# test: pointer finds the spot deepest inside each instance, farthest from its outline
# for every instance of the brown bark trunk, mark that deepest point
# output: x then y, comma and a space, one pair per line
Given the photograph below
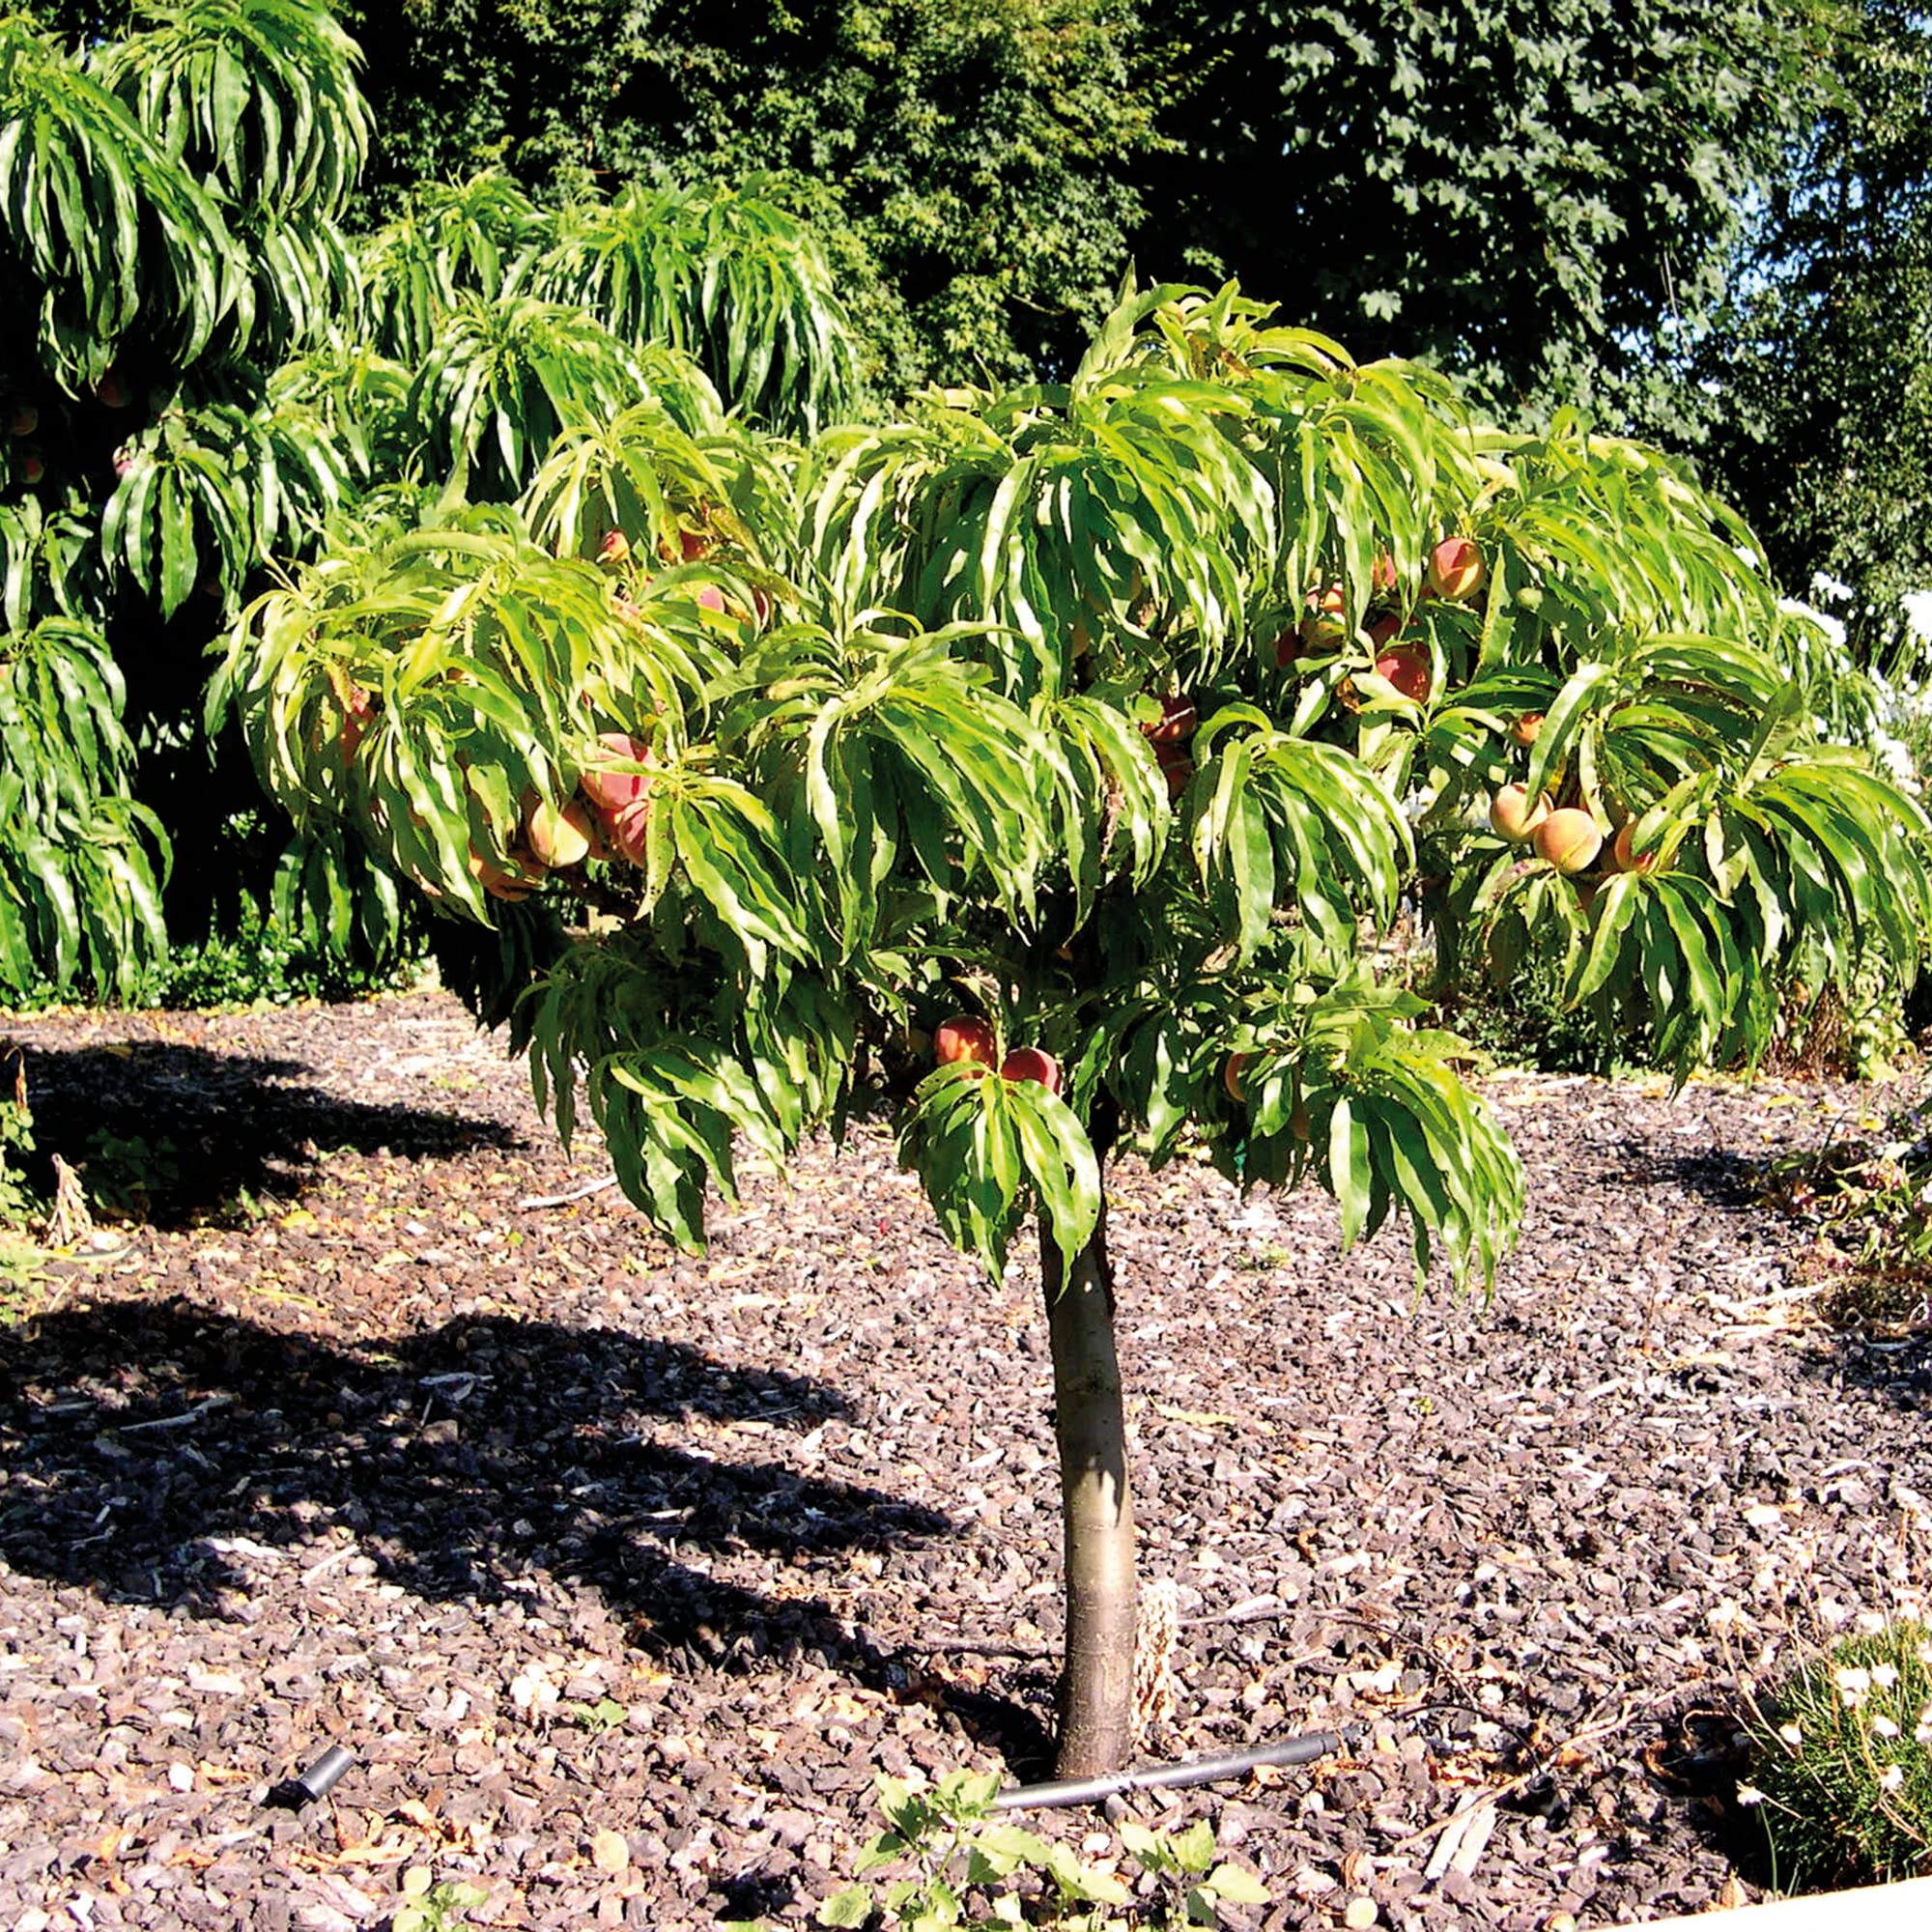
1090, 1425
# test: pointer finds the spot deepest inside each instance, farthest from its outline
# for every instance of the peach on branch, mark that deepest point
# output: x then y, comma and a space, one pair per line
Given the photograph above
607, 782
627, 831
1325, 626
1570, 840
1514, 816
359, 713
1624, 856
1382, 577
964, 1036
557, 834
502, 882
1406, 666
1456, 569
24, 420
1231, 1075
1526, 729
1030, 1062
614, 551
1177, 720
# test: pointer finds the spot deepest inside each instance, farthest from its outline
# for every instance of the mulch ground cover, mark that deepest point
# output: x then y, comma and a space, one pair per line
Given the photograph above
623, 1574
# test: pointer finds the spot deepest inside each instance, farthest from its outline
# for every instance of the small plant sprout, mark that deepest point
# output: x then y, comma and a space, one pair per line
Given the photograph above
972, 1870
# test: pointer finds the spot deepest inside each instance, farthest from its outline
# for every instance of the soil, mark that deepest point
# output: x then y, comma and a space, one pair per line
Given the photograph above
622, 1575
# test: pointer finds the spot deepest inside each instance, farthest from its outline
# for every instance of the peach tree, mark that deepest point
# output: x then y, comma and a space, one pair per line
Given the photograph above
200, 364
1085, 739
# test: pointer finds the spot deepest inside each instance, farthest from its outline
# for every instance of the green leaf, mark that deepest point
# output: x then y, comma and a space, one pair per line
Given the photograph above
851, 1907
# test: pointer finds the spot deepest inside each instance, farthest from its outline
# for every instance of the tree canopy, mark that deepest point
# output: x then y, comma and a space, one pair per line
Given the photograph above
970, 163
1810, 390
1522, 190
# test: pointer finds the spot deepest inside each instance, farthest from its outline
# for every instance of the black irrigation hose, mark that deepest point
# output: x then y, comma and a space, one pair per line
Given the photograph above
1304, 1749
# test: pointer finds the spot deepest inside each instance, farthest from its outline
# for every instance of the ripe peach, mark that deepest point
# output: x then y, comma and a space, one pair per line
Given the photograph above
1623, 857
1175, 768
1526, 729
1569, 839
1407, 667
627, 830
1177, 720
964, 1036
1231, 1075
1514, 817
501, 883
1030, 1062
614, 551
33, 467
612, 791
359, 713
1456, 569
24, 420
557, 835
1383, 578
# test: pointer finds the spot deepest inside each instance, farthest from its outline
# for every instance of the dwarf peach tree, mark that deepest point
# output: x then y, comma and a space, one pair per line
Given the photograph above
1097, 728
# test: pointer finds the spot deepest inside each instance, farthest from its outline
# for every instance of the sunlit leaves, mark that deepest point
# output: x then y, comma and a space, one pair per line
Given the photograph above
207, 491
505, 379
989, 1151
450, 243
726, 276
256, 99
99, 218
81, 864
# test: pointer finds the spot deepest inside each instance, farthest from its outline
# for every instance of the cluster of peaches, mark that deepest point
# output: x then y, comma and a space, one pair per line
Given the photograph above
1567, 836
608, 819
965, 1039
1455, 573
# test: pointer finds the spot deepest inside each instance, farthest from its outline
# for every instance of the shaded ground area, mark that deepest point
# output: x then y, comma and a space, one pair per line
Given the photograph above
623, 1574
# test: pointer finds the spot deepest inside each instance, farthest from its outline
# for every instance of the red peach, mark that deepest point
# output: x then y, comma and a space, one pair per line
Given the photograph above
964, 1036
1456, 569
1029, 1063
1512, 816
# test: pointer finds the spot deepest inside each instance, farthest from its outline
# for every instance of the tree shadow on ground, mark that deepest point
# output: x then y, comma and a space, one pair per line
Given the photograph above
1724, 1176
174, 1135
140, 1444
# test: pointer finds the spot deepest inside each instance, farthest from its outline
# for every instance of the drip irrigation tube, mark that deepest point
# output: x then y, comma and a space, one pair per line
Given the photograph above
1304, 1749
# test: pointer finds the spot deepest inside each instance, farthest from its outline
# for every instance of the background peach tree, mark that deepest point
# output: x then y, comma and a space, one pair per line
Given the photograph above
200, 364
1097, 729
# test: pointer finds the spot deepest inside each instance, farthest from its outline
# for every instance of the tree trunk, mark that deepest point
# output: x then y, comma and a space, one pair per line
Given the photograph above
1098, 1513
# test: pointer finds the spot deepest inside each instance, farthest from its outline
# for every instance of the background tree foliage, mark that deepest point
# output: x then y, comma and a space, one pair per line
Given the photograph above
1808, 397
1521, 190
971, 160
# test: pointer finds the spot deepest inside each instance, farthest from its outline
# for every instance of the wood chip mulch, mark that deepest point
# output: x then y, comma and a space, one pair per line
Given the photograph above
623, 1575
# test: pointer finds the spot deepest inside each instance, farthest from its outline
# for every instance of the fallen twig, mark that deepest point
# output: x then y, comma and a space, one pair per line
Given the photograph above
575, 1194
220, 1400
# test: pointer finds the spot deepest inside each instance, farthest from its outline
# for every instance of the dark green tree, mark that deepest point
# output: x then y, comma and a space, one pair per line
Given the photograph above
969, 161
1521, 189
1815, 376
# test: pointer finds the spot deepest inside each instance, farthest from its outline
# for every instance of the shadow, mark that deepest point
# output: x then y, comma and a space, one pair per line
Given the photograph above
1716, 1175
143, 1449
172, 1134
1879, 1365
